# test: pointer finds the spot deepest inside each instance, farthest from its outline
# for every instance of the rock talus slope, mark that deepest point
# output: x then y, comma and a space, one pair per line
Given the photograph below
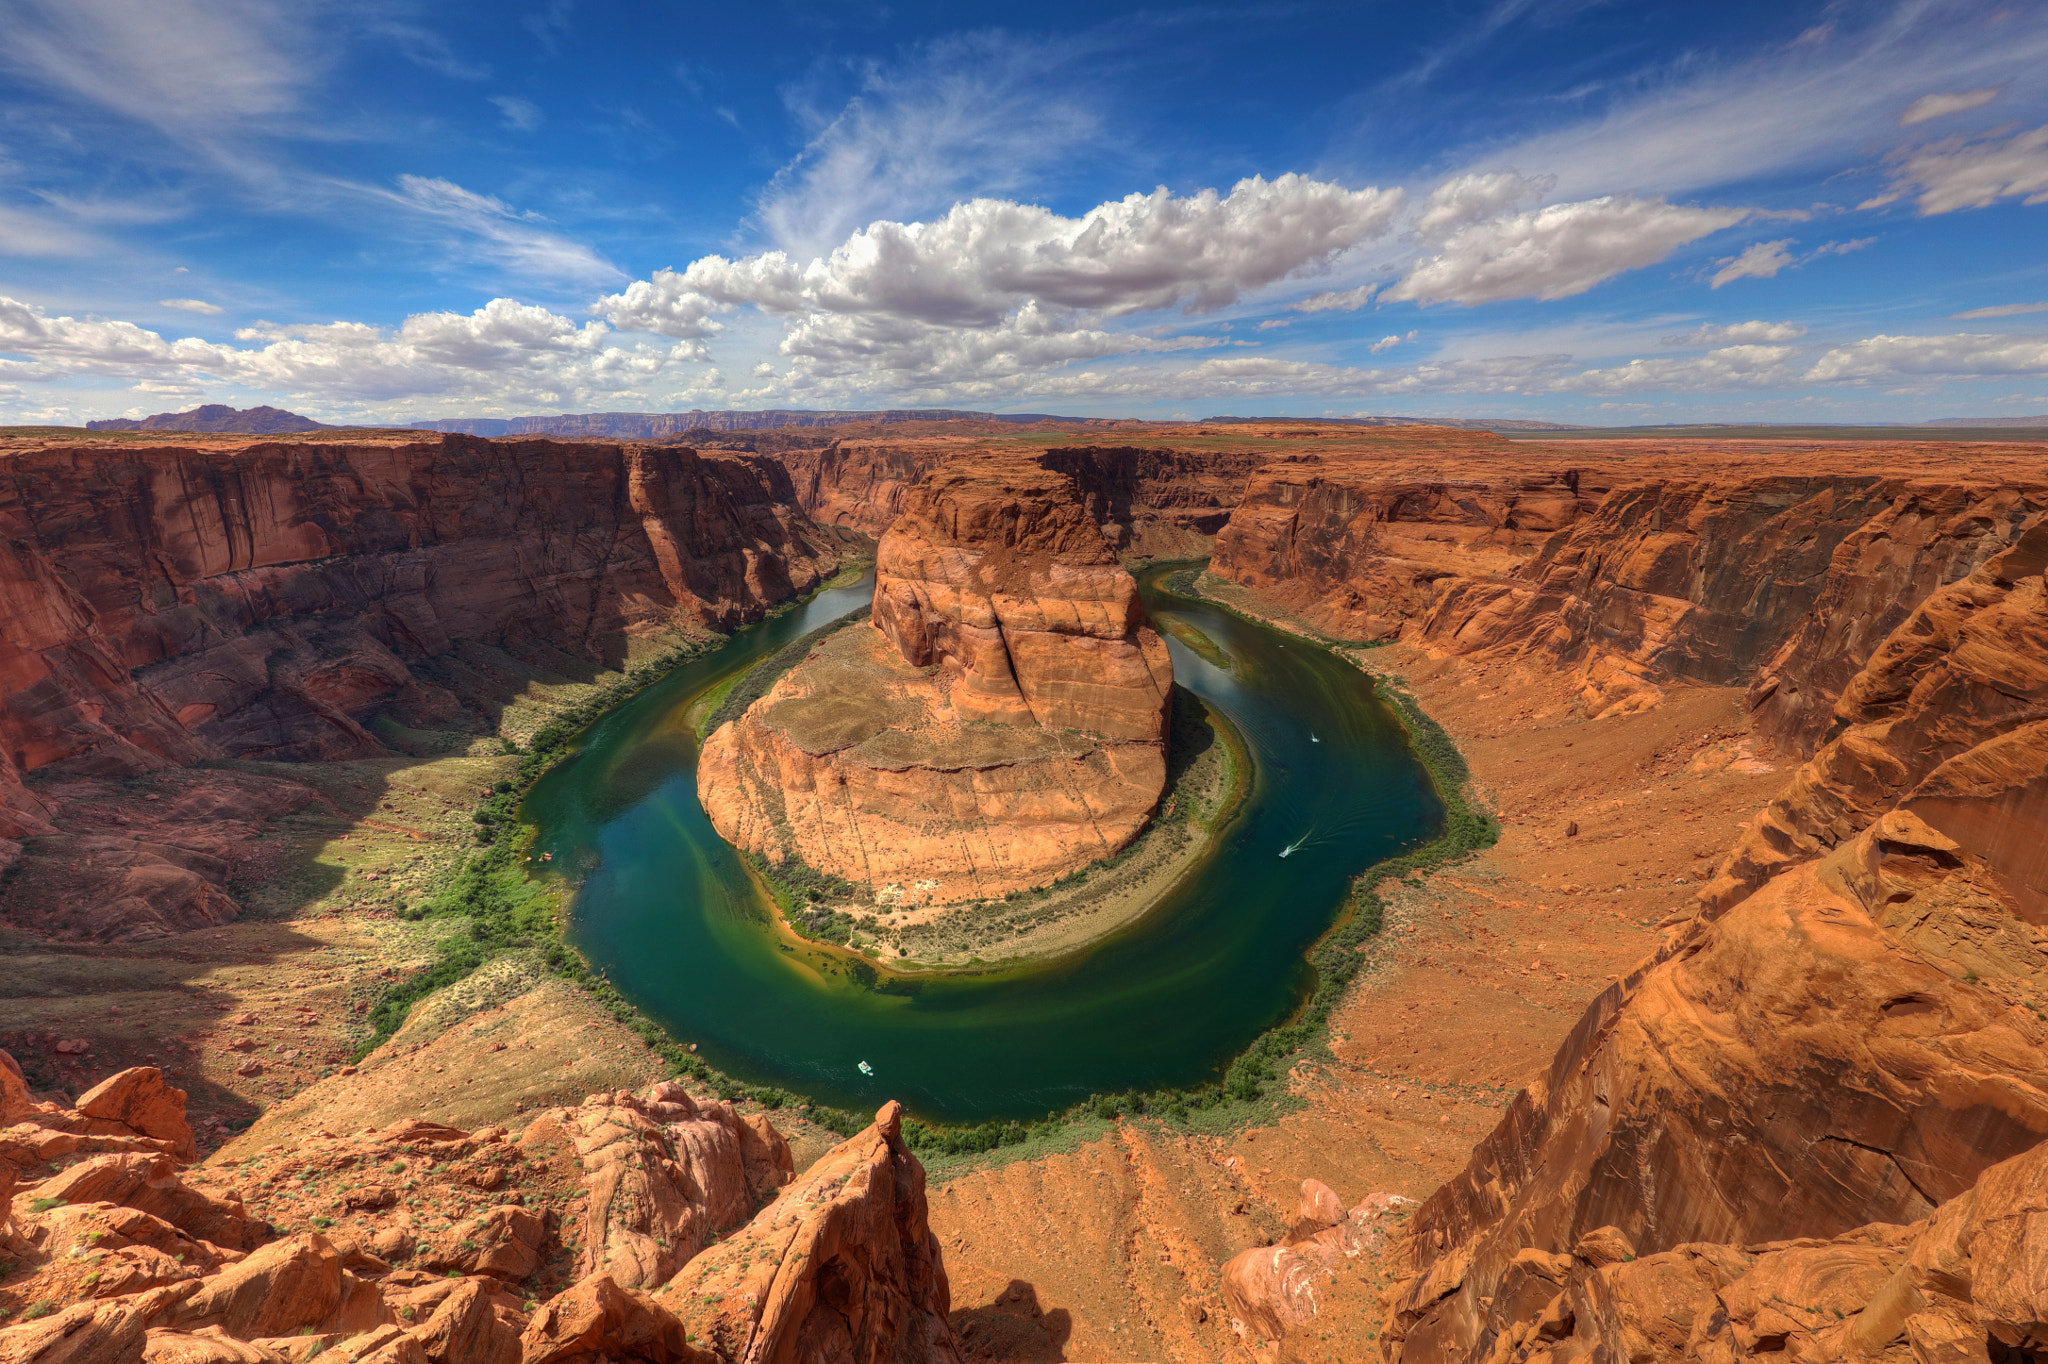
1000, 722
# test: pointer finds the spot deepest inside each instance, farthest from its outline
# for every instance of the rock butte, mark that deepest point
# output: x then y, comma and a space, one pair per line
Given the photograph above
999, 722
1805, 1125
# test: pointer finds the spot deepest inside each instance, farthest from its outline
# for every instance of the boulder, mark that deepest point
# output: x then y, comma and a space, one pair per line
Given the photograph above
139, 1100
598, 1319
284, 1287
149, 1183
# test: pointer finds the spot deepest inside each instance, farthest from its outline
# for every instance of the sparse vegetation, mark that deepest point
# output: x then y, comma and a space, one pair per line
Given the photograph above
507, 911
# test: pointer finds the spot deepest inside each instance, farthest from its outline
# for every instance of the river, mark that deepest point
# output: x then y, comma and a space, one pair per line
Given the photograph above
667, 910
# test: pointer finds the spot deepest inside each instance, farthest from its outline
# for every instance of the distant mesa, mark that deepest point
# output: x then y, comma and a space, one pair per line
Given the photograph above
997, 723
661, 425
218, 417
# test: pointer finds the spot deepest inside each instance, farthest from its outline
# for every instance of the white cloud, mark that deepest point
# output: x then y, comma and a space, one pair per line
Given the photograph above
494, 231
1959, 173
1703, 123
1556, 252
1763, 260
1346, 300
1940, 106
1001, 286
26, 233
2002, 310
194, 68
975, 116
503, 352
1468, 198
1387, 343
1728, 367
1962, 355
1274, 323
1712, 335
191, 305
521, 114
1840, 248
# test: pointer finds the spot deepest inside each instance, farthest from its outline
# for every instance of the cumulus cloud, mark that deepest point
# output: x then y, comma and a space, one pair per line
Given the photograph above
1940, 106
1387, 343
1763, 260
1960, 355
1558, 251
1747, 366
1004, 284
1468, 198
191, 305
1711, 335
1274, 323
1958, 172
504, 351
1343, 300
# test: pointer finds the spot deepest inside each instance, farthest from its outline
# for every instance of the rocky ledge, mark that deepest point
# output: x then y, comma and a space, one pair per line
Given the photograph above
643, 1226
1000, 723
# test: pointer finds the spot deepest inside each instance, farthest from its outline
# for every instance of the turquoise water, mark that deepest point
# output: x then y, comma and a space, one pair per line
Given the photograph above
667, 910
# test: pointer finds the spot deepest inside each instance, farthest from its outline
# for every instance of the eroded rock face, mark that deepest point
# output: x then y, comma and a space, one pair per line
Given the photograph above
1360, 546
165, 605
664, 1173
133, 1263
1771, 1135
842, 1267
1001, 723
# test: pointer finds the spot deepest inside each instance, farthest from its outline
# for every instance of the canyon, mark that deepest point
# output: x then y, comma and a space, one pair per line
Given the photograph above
1761, 722
999, 724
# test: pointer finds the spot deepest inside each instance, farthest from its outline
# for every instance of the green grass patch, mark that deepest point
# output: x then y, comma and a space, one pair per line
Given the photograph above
756, 682
505, 910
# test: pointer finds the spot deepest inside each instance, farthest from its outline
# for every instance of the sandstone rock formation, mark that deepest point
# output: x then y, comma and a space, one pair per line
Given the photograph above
842, 1264
122, 1257
1161, 502
1775, 1131
170, 604
1000, 724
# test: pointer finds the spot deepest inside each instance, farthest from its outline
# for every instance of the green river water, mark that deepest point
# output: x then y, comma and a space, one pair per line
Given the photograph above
666, 909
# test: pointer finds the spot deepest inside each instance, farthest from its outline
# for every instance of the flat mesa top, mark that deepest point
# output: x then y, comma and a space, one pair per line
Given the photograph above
1432, 453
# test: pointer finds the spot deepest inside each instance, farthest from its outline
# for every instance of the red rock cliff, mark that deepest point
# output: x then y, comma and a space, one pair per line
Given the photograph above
1000, 724
1779, 1132
165, 604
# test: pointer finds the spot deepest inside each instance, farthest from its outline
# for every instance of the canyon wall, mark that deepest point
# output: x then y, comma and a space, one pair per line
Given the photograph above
1629, 574
1159, 502
1837, 1055
1000, 723
170, 604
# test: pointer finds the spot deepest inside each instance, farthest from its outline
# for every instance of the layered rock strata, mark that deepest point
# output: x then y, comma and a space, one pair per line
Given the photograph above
1150, 500
1781, 1131
1000, 722
171, 604
444, 1246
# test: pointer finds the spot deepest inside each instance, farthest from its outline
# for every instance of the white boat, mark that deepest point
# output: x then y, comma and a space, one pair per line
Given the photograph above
866, 1069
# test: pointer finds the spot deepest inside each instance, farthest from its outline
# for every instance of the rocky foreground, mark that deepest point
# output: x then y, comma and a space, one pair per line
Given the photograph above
635, 1227
1760, 722
999, 724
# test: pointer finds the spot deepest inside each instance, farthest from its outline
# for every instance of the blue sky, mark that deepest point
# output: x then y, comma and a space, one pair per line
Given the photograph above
1581, 211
